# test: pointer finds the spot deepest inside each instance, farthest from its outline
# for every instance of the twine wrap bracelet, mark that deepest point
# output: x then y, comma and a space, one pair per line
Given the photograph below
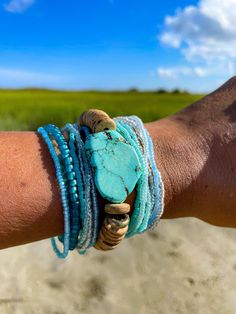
99, 155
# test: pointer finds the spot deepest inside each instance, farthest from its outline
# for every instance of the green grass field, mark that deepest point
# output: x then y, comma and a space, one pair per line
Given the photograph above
28, 109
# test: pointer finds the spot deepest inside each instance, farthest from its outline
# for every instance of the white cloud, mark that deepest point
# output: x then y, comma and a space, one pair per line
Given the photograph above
200, 72
176, 72
16, 77
18, 6
207, 30
205, 34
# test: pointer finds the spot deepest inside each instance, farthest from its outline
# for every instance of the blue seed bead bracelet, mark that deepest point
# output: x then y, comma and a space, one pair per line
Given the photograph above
89, 212
64, 199
70, 180
154, 190
99, 155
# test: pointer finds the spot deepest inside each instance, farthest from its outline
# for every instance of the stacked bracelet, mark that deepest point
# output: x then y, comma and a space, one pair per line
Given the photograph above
111, 158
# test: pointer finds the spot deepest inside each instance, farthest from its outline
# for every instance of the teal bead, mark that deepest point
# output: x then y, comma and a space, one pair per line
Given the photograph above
115, 164
69, 168
73, 189
70, 175
66, 155
68, 161
74, 198
73, 182
64, 147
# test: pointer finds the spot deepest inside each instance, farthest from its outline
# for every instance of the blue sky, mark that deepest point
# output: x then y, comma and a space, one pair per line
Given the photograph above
117, 44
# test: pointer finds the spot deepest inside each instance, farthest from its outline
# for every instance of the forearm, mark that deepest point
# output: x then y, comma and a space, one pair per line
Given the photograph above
30, 206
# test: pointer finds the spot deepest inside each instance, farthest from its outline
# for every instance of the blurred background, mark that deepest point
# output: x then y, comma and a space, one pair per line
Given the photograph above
146, 58
150, 58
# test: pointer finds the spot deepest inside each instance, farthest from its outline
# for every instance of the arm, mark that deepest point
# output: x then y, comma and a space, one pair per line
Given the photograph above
194, 151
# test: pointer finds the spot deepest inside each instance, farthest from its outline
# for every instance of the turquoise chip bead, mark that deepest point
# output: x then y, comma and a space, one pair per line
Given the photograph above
70, 175
115, 164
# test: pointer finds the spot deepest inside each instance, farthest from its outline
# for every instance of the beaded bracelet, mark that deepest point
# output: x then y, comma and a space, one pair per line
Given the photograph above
88, 196
99, 155
64, 199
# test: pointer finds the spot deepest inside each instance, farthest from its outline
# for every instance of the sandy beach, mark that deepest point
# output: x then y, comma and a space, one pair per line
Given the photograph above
183, 266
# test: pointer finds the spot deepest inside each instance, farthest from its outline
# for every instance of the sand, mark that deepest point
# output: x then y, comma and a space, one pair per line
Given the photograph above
184, 266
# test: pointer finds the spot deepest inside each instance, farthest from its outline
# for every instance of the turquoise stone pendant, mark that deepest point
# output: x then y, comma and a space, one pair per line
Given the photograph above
115, 164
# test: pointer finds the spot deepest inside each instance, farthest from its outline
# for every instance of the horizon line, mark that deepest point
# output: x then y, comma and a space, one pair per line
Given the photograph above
159, 90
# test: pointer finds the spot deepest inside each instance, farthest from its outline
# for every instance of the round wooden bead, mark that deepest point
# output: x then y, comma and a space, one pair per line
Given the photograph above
105, 243
113, 231
96, 120
118, 221
122, 208
116, 231
112, 235
100, 245
106, 235
106, 239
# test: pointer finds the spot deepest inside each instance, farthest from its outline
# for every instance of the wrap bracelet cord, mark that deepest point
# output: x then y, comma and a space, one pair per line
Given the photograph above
111, 158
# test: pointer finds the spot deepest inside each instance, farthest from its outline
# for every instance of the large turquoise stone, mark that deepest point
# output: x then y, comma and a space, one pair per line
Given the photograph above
115, 164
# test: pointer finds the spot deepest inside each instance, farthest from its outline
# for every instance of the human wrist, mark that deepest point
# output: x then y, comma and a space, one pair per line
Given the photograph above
179, 157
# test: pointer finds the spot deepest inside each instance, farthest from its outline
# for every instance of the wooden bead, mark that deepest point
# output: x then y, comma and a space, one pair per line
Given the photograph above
106, 235
96, 120
113, 231
106, 239
109, 241
122, 208
112, 234
116, 231
116, 221
100, 245
56, 147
